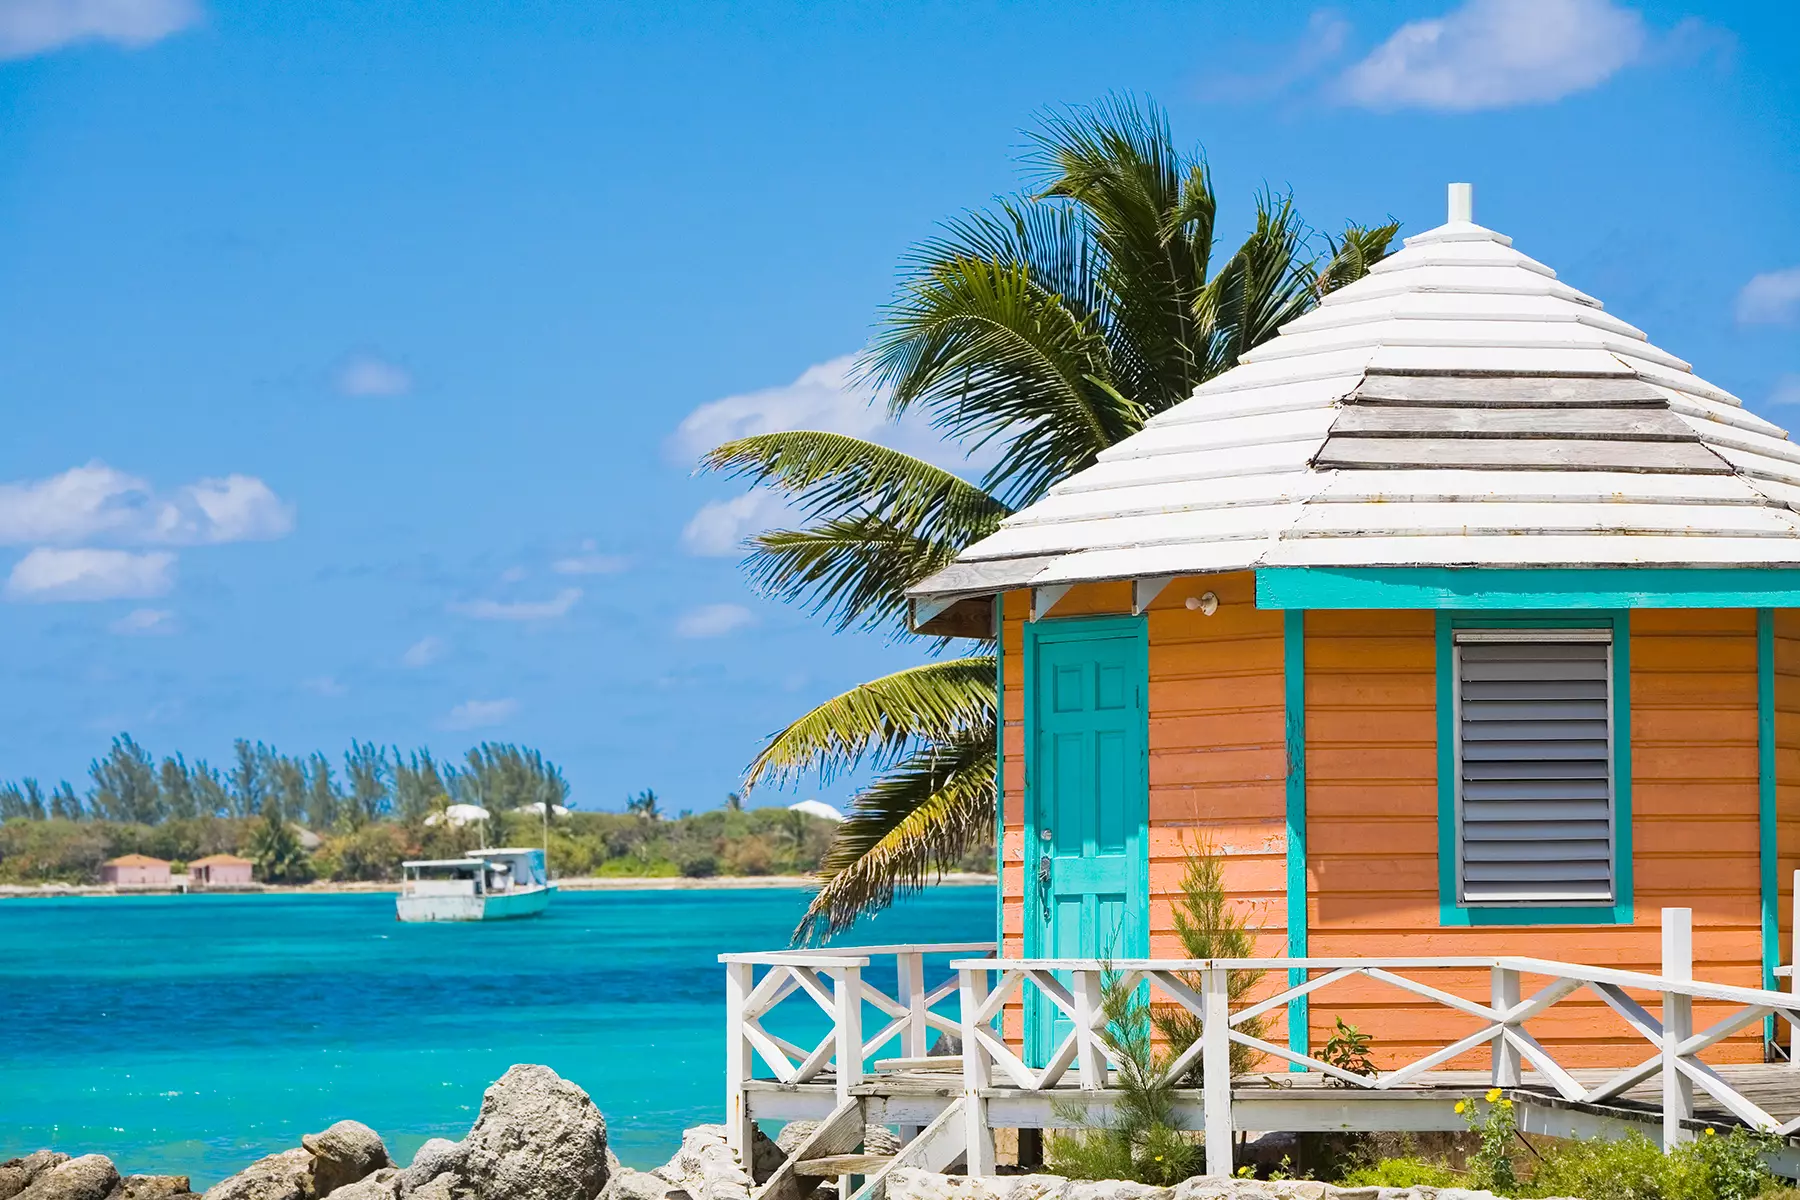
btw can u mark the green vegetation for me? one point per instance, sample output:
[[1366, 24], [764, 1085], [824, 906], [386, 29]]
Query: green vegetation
[[1042, 332], [1210, 926], [379, 811]]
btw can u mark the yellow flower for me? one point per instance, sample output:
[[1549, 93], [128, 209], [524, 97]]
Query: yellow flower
[[1462, 1106], [1711, 1132], [1493, 1095]]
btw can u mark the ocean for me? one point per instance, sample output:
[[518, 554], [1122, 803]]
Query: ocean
[[192, 1034]]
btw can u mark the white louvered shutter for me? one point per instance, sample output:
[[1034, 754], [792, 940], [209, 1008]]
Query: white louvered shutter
[[1534, 766]]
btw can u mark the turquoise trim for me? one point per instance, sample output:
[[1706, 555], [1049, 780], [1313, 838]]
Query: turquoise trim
[[1450, 910], [1070, 629], [1294, 702], [1765, 801], [1545, 588]]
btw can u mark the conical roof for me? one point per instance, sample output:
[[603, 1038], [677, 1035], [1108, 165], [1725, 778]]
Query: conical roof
[[1457, 407]]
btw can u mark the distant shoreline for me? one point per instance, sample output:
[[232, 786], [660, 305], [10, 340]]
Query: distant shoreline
[[596, 883]]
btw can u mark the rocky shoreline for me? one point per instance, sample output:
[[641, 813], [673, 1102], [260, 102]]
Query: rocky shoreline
[[540, 1137]]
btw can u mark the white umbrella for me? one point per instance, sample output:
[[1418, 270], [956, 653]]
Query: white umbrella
[[536, 809], [817, 808]]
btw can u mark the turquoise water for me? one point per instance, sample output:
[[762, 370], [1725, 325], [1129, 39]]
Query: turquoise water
[[191, 1034]]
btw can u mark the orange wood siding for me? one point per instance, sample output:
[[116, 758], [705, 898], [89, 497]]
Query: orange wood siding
[[1218, 767], [1787, 774], [1373, 832], [1218, 756]]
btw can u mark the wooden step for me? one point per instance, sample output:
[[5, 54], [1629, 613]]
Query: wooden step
[[836, 1166]]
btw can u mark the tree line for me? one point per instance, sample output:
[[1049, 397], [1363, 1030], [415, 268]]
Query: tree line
[[374, 783]]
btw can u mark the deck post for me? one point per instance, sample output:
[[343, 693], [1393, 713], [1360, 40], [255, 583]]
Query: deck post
[[1678, 1023], [846, 1023], [1215, 1071], [739, 1125], [909, 966], [1089, 1063], [1508, 1066], [978, 1138]]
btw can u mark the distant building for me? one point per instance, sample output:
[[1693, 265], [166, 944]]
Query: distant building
[[135, 870], [218, 870]]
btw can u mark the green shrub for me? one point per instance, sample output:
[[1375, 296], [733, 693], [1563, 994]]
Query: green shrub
[[1402, 1173], [1710, 1167]]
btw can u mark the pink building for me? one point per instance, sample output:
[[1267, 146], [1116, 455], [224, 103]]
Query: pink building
[[218, 870], [135, 870]]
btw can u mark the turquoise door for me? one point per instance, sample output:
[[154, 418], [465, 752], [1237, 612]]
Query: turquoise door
[[1086, 801]]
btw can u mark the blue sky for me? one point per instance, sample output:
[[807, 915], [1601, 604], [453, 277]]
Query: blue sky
[[354, 356]]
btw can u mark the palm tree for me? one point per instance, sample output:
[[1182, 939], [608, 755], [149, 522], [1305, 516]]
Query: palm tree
[[1042, 332]]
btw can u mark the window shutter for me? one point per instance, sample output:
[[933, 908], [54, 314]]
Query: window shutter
[[1534, 762]]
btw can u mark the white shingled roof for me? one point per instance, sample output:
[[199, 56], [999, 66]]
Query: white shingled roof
[[1457, 407]]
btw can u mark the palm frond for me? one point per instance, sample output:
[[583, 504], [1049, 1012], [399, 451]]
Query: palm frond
[[883, 521], [1264, 285], [879, 721], [993, 355], [917, 820], [1351, 256], [1152, 212]]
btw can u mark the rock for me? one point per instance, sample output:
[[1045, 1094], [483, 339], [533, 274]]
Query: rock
[[907, 1183], [343, 1154], [90, 1177], [435, 1157], [705, 1168], [538, 1137], [380, 1185], [17, 1173], [627, 1184], [284, 1176], [441, 1187], [153, 1187], [1114, 1189]]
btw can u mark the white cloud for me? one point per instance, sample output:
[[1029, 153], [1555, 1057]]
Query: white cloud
[[368, 375], [713, 620], [324, 685], [590, 562], [29, 27], [424, 652], [1787, 390], [1772, 298], [1498, 53], [1326, 37], [520, 610], [144, 622], [95, 502], [512, 575], [719, 528], [478, 714], [52, 574]]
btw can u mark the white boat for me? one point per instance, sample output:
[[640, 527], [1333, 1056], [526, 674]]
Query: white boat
[[487, 885]]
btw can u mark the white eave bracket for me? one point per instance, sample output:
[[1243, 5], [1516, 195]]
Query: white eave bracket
[[1043, 599], [1143, 591]]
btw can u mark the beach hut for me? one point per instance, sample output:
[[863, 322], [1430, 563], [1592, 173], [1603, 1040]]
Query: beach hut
[[220, 871], [1459, 619], [135, 870]]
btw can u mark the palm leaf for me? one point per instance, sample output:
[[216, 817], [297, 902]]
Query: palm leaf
[[881, 719], [917, 820], [884, 520]]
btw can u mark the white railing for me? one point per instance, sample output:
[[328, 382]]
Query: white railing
[[1075, 989], [1084, 1055], [834, 981]]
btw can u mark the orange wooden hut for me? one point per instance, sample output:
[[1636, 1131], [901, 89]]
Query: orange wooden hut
[[1459, 617]]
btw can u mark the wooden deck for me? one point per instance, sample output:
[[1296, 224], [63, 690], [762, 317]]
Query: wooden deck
[[1277, 1100]]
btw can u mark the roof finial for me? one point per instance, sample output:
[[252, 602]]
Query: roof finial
[[1462, 203]]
